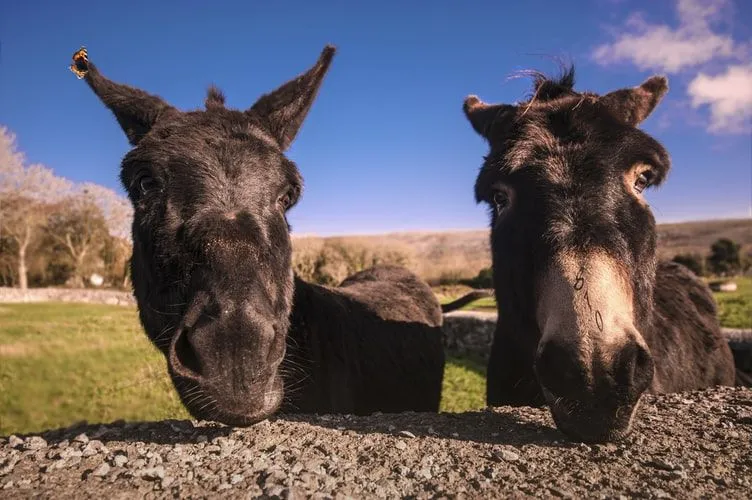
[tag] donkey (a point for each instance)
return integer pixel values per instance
(243, 336)
(588, 319)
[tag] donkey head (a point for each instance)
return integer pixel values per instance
(211, 247)
(574, 242)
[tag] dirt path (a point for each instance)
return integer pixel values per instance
(685, 445)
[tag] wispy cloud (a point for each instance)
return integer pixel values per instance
(695, 42)
(729, 96)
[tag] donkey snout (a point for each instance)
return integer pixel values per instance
(561, 369)
(632, 370)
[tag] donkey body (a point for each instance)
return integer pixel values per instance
(242, 336)
(588, 319)
(372, 344)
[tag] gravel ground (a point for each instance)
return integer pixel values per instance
(685, 445)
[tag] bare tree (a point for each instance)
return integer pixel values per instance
(24, 193)
(78, 228)
(116, 209)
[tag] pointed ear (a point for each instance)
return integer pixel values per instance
(484, 116)
(284, 109)
(635, 104)
(135, 110)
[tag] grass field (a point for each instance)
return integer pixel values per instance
(63, 363)
(734, 308)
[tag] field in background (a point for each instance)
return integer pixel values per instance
(734, 308)
(63, 363)
(437, 256)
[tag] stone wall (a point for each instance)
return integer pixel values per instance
(85, 295)
(466, 333)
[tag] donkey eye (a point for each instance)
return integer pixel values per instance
(146, 183)
(501, 200)
(285, 200)
(643, 181)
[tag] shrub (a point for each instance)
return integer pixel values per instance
(694, 262)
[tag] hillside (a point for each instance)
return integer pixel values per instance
(463, 253)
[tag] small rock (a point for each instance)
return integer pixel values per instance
(8, 485)
(400, 445)
(167, 482)
(7, 467)
(227, 486)
(119, 460)
(14, 441)
(34, 443)
(505, 455)
(202, 439)
(678, 474)
(153, 473)
(81, 438)
(659, 463)
(138, 463)
(424, 473)
(406, 434)
(236, 478)
(102, 470)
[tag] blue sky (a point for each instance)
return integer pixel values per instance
(386, 146)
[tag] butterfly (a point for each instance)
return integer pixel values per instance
(80, 63)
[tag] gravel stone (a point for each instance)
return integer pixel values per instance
(34, 443)
(691, 445)
(153, 473)
(81, 438)
(102, 470)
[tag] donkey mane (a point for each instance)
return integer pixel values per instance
(547, 88)
(214, 98)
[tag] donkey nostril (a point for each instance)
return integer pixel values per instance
(634, 369)
(559, 369)
(184, 360)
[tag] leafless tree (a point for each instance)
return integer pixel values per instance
(25, 191)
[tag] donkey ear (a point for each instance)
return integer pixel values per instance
(135, 110)
(284, 109)
(635, 104)
(483, 116)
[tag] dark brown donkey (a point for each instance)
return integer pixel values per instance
(588, 319)
(243, 337)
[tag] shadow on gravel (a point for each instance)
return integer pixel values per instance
(480, 427)
(163, 432)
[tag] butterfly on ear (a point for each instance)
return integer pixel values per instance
(80, 64)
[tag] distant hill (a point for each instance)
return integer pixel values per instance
(461, 254)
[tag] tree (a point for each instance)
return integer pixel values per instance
(78, 228)
(484, 279)
(724, 257)
(24, 193)
(692, 261)
(116, 210)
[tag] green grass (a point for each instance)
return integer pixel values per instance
(734, 308)
(63, 363)
(464, 385)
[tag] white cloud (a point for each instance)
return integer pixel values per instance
(665, 48)
(729, 96)
(688, 49)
